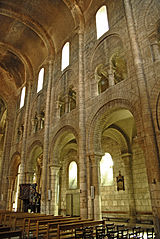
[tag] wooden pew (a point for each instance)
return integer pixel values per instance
(10, 234)
(8, 217)
(52, 227)
(29, 224)
(42, 226)
(4, 229)
(115, 216)
(68, 230)
(144, 218)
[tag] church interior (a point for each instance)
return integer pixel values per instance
(80, 109)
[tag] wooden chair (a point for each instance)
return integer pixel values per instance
(79, 233)
(150, 233)
(101, 232)
(88, 233)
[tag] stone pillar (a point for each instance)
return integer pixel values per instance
(111, 77)
(46, 140)
(39, 121)
(6, 157)
(155, 47)
(156, 51)
(89, 183)
(95, 185)
(151, 145)
(57, 110)
(54, 180)
(10, 192)
(82, 131)
(128, 180)
(25, 134)
(29, 177)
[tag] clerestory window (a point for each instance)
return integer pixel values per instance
(40, 80)
(22, 97)
(65, 56)
(102, 24)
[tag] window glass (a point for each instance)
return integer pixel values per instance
(106, 169)
(22, 97)
(16, 191)
(65, 56)
(40, 80)
(102, 25)
(73, 175)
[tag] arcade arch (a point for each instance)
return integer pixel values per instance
(65, 151)
(13, 180)
(114, 131)
(34, 165)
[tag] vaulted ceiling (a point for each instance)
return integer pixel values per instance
(31, 30)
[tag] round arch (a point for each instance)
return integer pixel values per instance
(64, 140)
(108, 121)
(34, 164)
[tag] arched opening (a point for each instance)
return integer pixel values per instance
(106, 170)
(40, 80)
(115, 136)
(65, 56)
(23, 92)
(102, 24)
(35, 167)
(16, 190)
(72, 175)
(66, 154)
(3, 115)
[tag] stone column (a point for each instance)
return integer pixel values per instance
(82, 131)
(25, 134)
(54, 180)
(151, 145)
(111, 77)
(128, 180)
(95, 185)
(57, 110)
(29, 177)
(46, 140)
(155, 47)
(10, 191)
(6, 157)
(156, 51)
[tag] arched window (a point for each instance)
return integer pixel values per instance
(73, 175)
(40, 80)
(102, 21)
(65, 56)
(22, 97)
(106, 169)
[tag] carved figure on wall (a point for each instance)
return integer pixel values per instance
(35, 123)
(120, 182)
(18, 134)
(61, 106)
(42, 120)
(102, 76)
(119, 68)
(71, 99)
